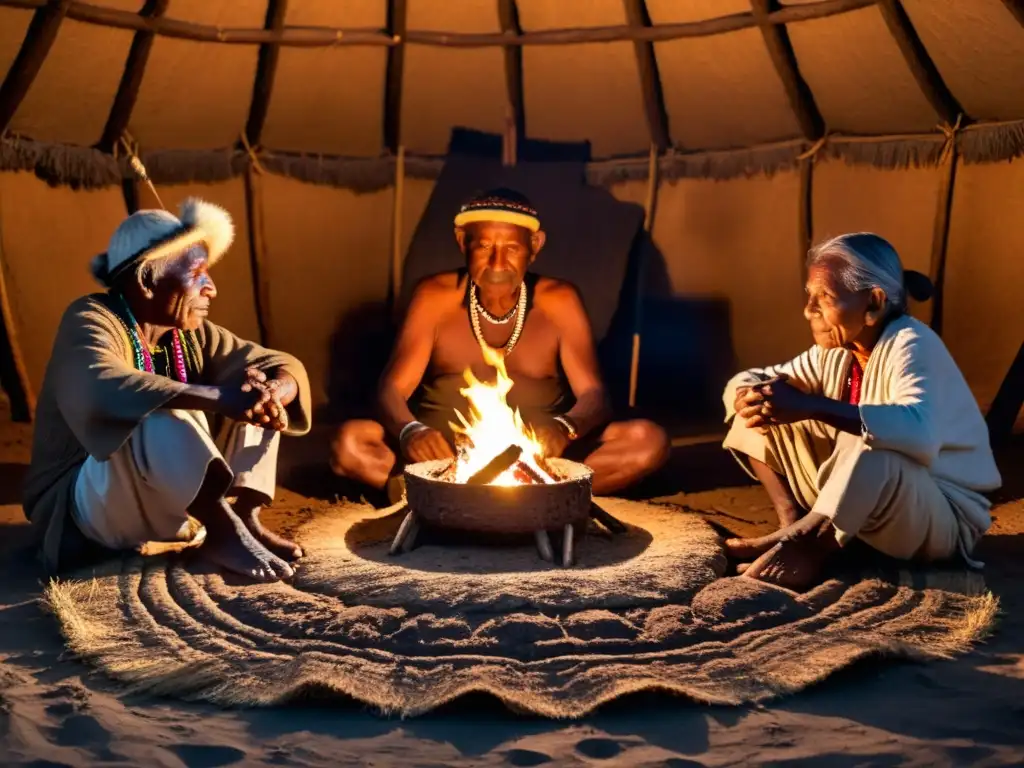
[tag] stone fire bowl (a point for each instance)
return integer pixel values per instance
(498, 508)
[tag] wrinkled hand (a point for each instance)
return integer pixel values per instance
(770, 403)
(267, 409)
(552, 438)
(426, 445)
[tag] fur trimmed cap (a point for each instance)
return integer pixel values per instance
(152, 234)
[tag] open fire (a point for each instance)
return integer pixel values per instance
(494, 445)
(500, 481)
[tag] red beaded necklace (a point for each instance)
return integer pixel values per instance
(143, 358)
(853, 382)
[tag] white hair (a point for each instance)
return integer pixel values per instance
(863, 260)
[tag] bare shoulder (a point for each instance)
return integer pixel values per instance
(560, 300)
(554, 293)
(438, 290)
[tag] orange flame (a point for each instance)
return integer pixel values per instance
(492, 425)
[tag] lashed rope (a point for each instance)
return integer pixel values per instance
(950, 132)
(132, 148)
(254, 159)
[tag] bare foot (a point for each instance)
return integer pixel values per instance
(280, 546)
(794, 564)
(242, 554)
(230, 545)
(796, 560)
(748, 549)
(248, 506)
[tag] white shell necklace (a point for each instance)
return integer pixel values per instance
(474, 316)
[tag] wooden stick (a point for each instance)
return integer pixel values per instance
(403, 533)
(650, 206)
(397, 12)
(397, 222)
(1016, 8)
(508, 15)
(496, 466)
(309, 37)
(567, 546)
(131, 79)
(919, 61)
(530, 472)
(940, 237)
(544, 546)
(257, 254)
(606, 519)
(266, 71)
(41, 34)
(780, 49)
(650, 81)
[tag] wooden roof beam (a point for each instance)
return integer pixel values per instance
(1016, 7)
(41, 34)
(131, 79)
(328, 36)
(397, 15)
(266, 71)
(508, 15)
(780, 49)
(650, 81)
(920, 63)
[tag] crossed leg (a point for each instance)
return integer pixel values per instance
(628, 452)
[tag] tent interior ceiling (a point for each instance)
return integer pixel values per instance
(775, 122)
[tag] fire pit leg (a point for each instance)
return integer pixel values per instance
(567, 546)
(406, 535)
(604, 518)
(544, 546)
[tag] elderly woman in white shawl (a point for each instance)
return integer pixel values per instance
(872, 433)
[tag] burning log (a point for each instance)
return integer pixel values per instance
(529, 474)
(496, 466)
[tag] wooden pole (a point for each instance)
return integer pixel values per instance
(266, 72)
(397, 214)
(650, 204)
(919, 61)
(41, 34)
(327, 37)
(1016, 8)
(131, 79)
(780, 49)
(940, 232)
(508, 15)
(257, 254)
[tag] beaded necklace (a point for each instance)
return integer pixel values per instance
(182, 346)
(494, 319)
(474, 316)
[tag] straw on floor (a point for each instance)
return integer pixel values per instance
(645, 610)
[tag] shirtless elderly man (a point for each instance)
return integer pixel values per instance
(543, 328)
(154, 425)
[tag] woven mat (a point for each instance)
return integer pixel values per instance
(647, 609)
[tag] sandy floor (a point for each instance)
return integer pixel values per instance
(969, 712)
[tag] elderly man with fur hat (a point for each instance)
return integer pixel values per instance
(155, 428)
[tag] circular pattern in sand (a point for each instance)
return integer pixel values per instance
(645, 609)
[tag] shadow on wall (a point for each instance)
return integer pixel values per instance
(686, 347)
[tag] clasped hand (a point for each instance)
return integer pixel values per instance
(262, 404)
(773, 402)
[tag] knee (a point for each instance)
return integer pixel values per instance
(648, 443)
(350, 444)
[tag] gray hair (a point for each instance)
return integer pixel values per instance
(864, 261)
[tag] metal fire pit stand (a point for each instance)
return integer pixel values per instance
(405, 538)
